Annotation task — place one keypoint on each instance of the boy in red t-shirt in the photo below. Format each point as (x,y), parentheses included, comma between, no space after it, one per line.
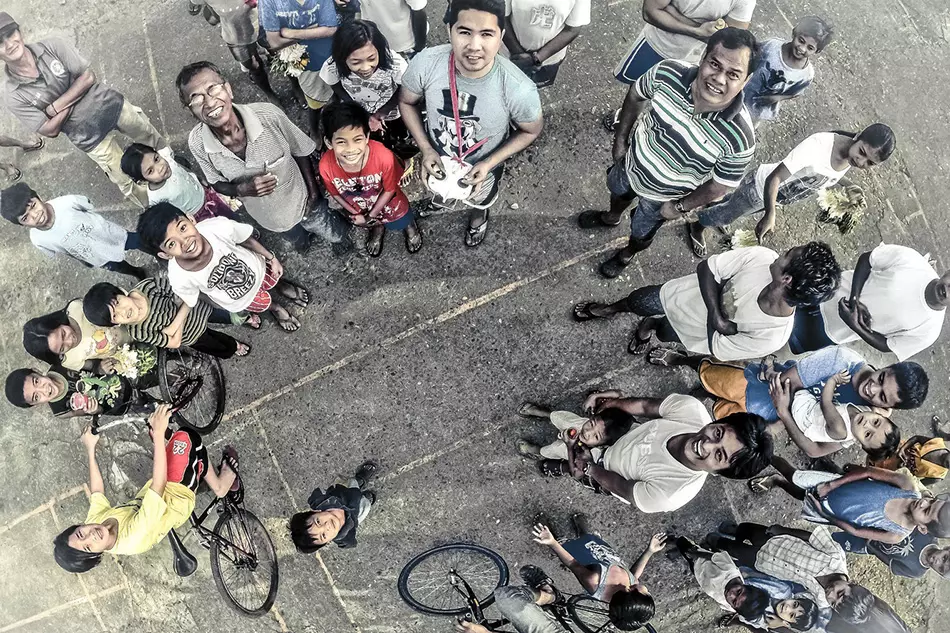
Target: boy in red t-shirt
(363,177)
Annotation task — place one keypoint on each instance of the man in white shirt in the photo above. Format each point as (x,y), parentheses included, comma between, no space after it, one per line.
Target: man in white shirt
(720,579)
(660,465)
(539,32)
(677,29)
(402,22)
(893,300)
(740,304)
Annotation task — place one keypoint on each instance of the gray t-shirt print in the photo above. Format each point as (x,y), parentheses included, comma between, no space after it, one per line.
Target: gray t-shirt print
(488,106)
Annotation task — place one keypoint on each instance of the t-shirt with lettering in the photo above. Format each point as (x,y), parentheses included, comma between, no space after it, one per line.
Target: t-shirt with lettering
(537,22)
(680,46)
(361,189)
(233,275)
(662,483)
(374,91)
(809,164)
(301,14)
(146,519)
(487,105)
(80,232)
(894,296)
(773,77)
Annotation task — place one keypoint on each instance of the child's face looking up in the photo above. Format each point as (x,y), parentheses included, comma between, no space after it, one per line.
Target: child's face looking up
(36,215)
(323,526)
(364,61)
(349,144)
(593,431)
(155,169)
(803,47)
(870,429)
(182,240)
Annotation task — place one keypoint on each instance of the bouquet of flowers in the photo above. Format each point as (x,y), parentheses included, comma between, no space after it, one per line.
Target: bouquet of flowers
(743,238)
(843,206)
(105,389)
(133,361)
(290,61)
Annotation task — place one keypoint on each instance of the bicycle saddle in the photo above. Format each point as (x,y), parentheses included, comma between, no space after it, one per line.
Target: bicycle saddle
(185,564)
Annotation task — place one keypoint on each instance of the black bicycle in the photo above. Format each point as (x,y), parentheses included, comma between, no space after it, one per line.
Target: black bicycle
(459,579)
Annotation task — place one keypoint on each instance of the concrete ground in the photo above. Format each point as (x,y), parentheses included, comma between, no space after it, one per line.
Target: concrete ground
(420,362)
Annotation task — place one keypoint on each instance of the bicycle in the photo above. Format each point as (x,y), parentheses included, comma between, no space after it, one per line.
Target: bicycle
(459,579)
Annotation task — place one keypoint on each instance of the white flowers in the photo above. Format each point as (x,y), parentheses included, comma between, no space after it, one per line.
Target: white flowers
(842,206)
(290,61)
(743,238)
(134,361)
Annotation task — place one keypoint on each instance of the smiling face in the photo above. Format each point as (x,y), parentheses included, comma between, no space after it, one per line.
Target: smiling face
(36,215)
(878,388)
(364,61)
(323,526)
(63,339)
(182,240)
(803,47)
(592,432)
(209,97)
(790,610)
(39,389)
(155,169)
(94,538)
(350,145)
(925,510)
(12,48)
(126,310)
(476,38)
(870,429)
(723,73)
(712,448)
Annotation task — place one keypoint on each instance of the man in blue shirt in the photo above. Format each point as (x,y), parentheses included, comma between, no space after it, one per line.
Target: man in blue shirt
(311,23)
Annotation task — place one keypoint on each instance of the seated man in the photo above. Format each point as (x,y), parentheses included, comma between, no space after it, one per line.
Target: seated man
(739,304)
(660,465)
(164,503)
(761,388)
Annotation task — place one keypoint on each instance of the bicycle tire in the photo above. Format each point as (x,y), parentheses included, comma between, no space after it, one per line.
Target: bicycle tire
(592,615)
(243,521)
(203,413)
(405,576)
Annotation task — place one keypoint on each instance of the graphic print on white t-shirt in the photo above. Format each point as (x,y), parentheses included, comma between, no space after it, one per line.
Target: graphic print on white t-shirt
(809,164)
(232,276)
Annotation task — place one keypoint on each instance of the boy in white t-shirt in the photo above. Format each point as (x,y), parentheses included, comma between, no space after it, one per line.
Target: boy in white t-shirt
(660,465)
(740,304)
(893,300)
(539,31)
(221,259)
(70,225)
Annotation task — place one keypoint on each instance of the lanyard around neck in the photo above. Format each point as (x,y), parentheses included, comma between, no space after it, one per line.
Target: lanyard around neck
(454,96)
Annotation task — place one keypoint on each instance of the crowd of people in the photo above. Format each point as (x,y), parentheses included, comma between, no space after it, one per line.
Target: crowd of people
(384,106)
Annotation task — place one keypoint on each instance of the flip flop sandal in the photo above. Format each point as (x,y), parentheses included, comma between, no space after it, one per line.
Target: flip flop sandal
(40,144)
(366,473)
(524,408)
(727,620)
(475,235)
(661,356)
(613,267)
(374,247)
(700,249)
(610,120)
(594,219)
(253,321)
(758,486)
(247,350)
(637,345)
(300,298)
(414,247)
(229,456)
(289,324)
(552,467)
(581,312)
(17,175)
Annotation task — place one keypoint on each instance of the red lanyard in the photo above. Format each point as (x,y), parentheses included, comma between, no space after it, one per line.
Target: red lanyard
(454,95)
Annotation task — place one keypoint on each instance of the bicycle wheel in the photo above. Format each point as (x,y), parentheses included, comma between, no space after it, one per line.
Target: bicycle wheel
(425,585)
(593,616)
(198,380)
(244,562)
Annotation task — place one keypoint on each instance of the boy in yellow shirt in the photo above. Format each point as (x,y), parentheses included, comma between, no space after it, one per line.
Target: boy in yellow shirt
(164,503)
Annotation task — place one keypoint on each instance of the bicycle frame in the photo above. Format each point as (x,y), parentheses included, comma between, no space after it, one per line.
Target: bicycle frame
(206,536)
(475,606)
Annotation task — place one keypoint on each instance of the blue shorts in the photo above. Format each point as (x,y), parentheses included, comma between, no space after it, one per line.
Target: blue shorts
(402,223)
(638,61)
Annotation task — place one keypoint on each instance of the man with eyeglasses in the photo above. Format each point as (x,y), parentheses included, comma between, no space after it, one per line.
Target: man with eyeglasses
(255,153)
(50,88)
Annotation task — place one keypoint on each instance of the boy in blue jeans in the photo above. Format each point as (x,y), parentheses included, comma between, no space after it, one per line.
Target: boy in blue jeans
(70,225)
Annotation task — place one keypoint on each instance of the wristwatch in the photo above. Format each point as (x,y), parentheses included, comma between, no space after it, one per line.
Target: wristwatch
(678,206)
(534,58)
(587,468)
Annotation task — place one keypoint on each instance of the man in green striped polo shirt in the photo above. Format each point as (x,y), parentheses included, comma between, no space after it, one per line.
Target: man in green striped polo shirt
(690,149)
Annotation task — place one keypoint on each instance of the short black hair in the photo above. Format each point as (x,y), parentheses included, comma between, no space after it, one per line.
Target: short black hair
(809,615)
(815,275)
(96,303)
(752,431)
(14,387)
(189,72)
(153,225)
(755,603)
(14,200)
(72,559)
(816,28)
(495,7)
(36,331)
(300,535)
(355,35)
(629,610)
(912,384)
(337,116)
(940,527)
(733,38)
(856,606)
(617,423)
(892,440)
(132,158)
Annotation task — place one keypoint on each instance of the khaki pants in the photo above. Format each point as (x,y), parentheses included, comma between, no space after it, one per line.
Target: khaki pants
(108,153)
(727,383)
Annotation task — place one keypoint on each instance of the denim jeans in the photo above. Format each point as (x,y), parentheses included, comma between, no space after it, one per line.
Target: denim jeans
(745,200)
(516,604)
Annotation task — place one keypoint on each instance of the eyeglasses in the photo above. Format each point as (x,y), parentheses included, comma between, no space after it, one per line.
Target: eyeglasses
(215,90)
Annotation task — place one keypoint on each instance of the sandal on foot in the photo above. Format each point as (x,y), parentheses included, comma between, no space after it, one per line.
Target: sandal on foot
(253,321)
(699,247)
(17,175)
(296,293)
(247,350)
(534,577)
(289,323)
(610,120)
(594,219)
(939,427)
(638,345)
(528,450)
(580,524)
(229,458)
(374,243)
(727,620)
(613,266)
(38,145)
(476,234)
(366,473)
(414,245)
(552,467)
(582,312)
(524,410)
(663,356)
(760,485)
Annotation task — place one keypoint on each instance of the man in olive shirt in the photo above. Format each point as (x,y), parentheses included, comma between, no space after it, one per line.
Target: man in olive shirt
(51,89)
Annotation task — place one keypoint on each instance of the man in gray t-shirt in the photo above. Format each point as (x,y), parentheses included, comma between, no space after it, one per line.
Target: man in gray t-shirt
(50,88)
(493,96)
